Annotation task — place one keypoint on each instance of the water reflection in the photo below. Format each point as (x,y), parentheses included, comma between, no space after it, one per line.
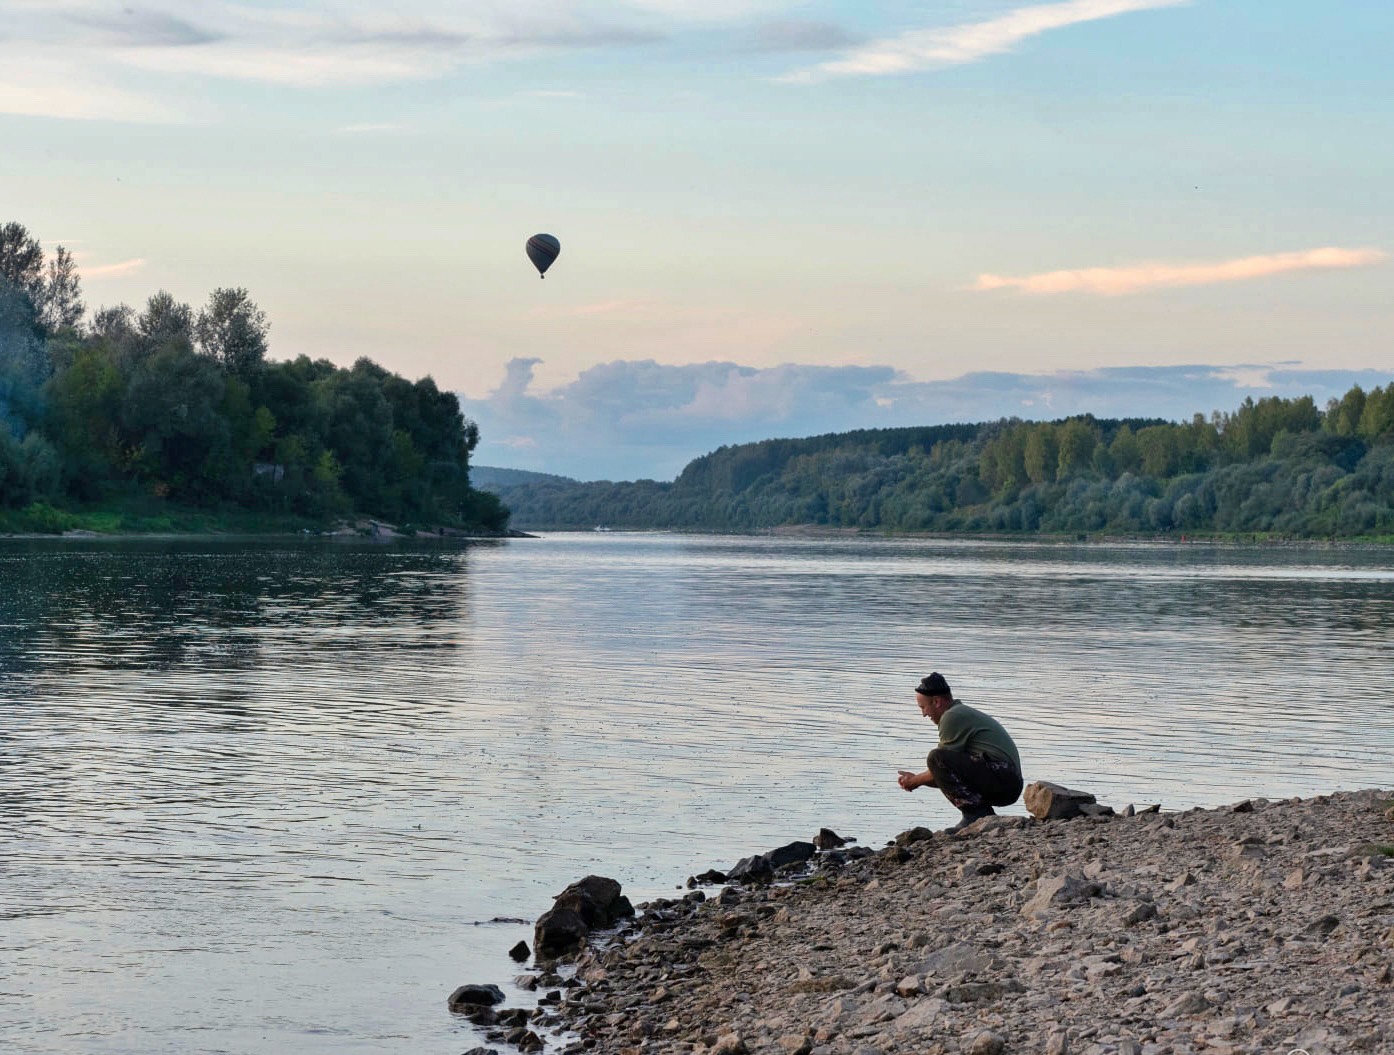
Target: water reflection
(297,774)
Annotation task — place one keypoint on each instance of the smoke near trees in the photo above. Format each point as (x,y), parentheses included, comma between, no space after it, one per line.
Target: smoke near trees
(165,402)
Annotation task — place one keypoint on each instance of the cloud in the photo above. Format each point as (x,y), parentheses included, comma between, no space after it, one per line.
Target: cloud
(42,86)
(145,28)
(93,60)
(925,49)
(1117,281)
(633,419)
(803,35)
(124,267)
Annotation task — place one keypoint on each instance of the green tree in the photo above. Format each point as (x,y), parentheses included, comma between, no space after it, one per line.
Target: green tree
(84,403)
(1124,452)
(21,260)
(232,331)
(60,294)
(1077,442)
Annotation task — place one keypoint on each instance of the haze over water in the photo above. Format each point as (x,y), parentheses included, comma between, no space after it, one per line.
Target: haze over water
(267,796)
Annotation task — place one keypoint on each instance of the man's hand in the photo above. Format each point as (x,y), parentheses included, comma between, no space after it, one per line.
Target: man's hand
(910,781)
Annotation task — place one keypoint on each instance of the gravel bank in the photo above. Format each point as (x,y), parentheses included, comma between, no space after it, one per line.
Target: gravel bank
(1259,928)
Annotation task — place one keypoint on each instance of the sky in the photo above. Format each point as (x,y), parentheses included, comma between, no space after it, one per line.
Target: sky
(776,217)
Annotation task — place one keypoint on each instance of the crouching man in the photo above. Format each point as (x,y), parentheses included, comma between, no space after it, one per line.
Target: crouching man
(976,764)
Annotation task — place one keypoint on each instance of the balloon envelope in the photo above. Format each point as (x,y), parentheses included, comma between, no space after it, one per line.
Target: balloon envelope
(542,250)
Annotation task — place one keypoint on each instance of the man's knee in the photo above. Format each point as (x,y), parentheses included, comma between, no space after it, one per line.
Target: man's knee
(941,760)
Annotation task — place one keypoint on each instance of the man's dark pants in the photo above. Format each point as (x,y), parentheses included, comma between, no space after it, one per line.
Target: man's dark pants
(973,781)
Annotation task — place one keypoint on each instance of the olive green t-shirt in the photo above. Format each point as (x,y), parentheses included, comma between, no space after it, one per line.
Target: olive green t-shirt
(964,729)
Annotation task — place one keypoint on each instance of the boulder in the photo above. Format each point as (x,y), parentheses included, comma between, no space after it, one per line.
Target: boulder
(472,997)
(957,960)
(914,835)
(791,853)
(559,931)
(827,839)
(751,869)
(597,900)
(1058,891)
(761,867)
(1047,801)
(710,877)
(520,952)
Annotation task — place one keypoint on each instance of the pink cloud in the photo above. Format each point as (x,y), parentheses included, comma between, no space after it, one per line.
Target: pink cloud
(1117,281)
(124,267)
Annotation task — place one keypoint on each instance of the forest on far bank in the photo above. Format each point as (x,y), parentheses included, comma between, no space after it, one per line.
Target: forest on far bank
(167,408)
(1275,465)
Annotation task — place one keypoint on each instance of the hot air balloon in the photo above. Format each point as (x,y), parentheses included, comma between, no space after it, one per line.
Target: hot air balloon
(542,250)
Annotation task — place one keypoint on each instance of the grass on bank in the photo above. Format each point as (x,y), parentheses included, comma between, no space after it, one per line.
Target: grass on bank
(152,517)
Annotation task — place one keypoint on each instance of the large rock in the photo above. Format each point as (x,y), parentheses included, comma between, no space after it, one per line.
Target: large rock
(1047,801)
(558,931)
(750,869)
(827,839)
(791,853)
(589,904)
(762,866)
(473,997)
(1057,892)
(597,900)
(957,960)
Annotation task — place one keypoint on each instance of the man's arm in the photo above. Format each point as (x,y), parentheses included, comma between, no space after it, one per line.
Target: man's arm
(910,781)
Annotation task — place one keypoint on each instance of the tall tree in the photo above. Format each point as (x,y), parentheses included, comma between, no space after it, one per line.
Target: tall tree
(60,294)
(232,330)
(21,258)
(165,321)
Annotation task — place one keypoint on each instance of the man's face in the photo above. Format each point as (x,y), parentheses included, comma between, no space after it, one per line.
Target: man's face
(930,706)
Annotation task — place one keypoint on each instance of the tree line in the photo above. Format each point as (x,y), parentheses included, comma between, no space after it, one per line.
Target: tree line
(1274,465)
(167,403)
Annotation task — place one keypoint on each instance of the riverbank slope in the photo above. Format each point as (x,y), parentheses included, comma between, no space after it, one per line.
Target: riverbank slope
(1258,928)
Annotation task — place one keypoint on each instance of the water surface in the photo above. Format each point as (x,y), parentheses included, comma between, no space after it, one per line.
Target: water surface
(269,796)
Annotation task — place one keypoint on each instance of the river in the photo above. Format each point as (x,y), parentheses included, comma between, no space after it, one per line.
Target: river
(260,796)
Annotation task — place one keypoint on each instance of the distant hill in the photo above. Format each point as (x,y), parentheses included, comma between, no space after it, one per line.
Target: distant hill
(491,478)
(1275,466)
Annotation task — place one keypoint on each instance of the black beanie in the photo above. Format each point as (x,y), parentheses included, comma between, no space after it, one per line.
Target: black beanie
(934,685)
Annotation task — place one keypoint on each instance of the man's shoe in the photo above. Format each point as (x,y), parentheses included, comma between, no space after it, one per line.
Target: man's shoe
(969,816)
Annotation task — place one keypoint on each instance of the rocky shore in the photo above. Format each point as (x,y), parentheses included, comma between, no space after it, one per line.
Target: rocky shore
(1263,927)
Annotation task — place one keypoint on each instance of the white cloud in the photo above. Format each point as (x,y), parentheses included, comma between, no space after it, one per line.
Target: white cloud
(634,419)
(52,86)
(924,49)
(93,60)
(1116,281)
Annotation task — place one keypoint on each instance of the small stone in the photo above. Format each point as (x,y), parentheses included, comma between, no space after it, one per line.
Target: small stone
(1057,892)
(986,1043)
(1132,915)
(914,835)
(729,1044)
(1186,1004)
(910,985)
(520,952)
(1058,1043)
(1320,928)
